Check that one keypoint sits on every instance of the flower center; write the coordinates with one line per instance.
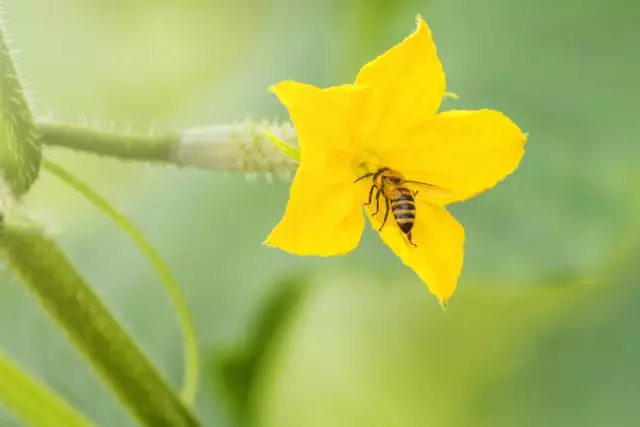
(366, 162)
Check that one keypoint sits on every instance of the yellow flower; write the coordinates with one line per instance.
(389, 119)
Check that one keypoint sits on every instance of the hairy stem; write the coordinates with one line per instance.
(171, 285)
(110, 144)
(68, 299)
(19, 148)
(244, 147)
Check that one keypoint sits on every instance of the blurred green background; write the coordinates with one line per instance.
(543, 330)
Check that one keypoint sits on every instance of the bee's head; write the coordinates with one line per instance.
(389, 177)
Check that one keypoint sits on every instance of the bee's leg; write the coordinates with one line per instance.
(409, 237)
(386, 214)
(377, 202)
(373, 187)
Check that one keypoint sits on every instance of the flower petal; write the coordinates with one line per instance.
(437, 259)
(408, 83)
(321, 218)
(322, 119)
(463, 152)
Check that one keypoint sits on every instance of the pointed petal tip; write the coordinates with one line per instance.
(275, 241)
(268, 243)
(421, 26)
(444, 304)
(276, 88)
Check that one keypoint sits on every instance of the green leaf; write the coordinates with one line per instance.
(170, 284)
(19, 148)
(34, 403)
(241, 367)
(68, 299)
(382, 355)
(287, 149)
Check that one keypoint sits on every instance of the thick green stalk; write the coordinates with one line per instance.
(34, 403)
(64, 294)
(19, 147)
(119, 145)
(246, 147)
(170, 284)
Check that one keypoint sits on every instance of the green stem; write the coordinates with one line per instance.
(19, 148)
(68, 299)
(170, 284)
(110, 144)
(34, 403)
(245, 147)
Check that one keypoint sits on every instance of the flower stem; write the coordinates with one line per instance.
(34, 403)
(69, 300)
(19, 148)
(110, 144)
(190, 381)
(242, 147)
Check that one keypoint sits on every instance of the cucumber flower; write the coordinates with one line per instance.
(380, 143)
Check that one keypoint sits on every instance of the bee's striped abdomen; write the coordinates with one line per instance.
(404, 210)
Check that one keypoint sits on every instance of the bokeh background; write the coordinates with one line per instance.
(544, 329)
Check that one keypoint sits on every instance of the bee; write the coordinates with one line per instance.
(398, 198)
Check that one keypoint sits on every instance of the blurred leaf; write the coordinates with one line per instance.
(238, 371)
(34, 403)
(19, 147)
(47, 273)
(581, 370)
(381, 356)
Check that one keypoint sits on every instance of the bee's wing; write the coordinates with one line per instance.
(432, 191)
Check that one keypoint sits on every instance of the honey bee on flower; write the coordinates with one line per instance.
(381, 144)
(398, 198)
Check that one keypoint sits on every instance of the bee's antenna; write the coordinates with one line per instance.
(363, 177)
